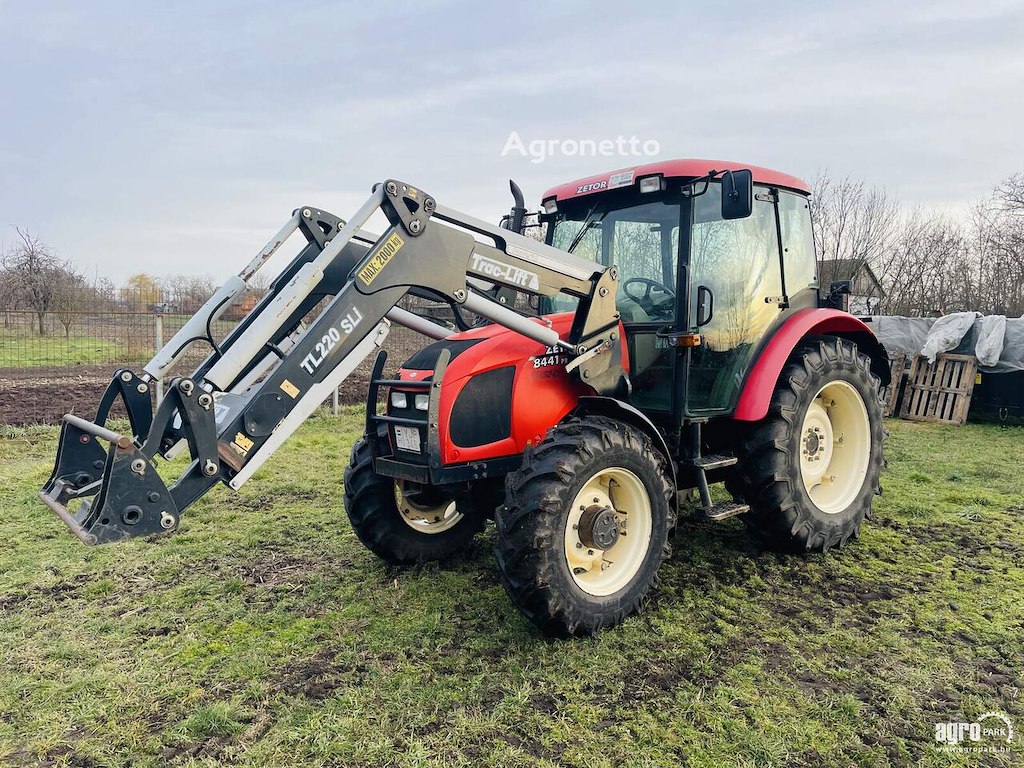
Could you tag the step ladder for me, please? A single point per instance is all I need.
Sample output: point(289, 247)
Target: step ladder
point(700, 465)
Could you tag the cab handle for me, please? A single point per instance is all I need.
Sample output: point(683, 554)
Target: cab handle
point(705, 305)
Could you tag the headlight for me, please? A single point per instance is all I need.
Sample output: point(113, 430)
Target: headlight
point(422, 402)
point(398, 400)
point(650, 184)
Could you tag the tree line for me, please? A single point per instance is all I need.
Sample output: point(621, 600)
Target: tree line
point(928, 263)
point(34, 279)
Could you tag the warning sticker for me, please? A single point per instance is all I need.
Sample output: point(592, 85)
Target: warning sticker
point(380, 259)
point(243, 442)
point(289, 389)
point(622, 179)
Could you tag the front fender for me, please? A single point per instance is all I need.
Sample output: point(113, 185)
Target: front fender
point(764, 375)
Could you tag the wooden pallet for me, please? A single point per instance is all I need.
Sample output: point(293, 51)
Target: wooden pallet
point(939, 391)
point(897, 366)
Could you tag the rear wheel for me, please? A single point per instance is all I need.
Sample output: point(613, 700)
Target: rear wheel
point(585, 526)
point(403, 522)
point(811, 468)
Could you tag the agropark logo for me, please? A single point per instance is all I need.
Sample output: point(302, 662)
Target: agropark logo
point(991, 732)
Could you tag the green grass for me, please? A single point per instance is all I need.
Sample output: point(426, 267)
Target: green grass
point(264, 634)
point(19, 351)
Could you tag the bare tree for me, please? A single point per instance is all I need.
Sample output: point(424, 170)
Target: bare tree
point(185, 293)
point(852, 221)
point(929, 267)
point(8, 295)
point(32, 275)
point(998, 228)
point(104, 294)
point(71, 295)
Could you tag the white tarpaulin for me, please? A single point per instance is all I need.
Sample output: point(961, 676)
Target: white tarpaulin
point(947, 333)
point(991, 333)
point(909, 334)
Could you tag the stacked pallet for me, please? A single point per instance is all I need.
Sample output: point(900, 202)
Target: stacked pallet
point(934, 392)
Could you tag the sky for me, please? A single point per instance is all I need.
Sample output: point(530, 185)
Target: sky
point(176, 137)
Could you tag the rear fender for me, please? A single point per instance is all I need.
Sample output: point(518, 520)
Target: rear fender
point(764, 375)
point(626, 413)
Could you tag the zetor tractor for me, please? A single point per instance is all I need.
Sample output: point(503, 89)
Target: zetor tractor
point(667, 335)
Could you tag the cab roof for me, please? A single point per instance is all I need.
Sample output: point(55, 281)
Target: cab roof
point(670, 169)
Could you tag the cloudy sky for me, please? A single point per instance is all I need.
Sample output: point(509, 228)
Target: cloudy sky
point(176, 137)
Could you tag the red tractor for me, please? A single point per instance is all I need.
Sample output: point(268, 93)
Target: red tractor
point(668, 334)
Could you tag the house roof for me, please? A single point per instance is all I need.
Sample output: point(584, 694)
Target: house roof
point(847, 269)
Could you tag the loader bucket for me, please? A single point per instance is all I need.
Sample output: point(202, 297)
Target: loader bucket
point(119, 493)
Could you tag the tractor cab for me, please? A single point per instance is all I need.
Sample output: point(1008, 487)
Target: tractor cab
point(711, 256)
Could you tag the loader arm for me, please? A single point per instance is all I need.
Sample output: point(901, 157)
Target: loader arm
point(272, 371)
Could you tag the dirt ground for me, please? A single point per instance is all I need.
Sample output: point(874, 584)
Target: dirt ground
point(41, 395)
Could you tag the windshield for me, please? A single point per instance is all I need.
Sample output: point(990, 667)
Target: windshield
point(641, 239)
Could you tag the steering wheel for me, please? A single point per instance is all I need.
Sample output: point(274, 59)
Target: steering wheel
point(645, 301)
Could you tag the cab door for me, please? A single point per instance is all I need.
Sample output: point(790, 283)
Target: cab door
point(644, 243)
point(642, 240)
point(735, 293)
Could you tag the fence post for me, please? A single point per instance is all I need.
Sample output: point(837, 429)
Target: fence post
point(159, 346)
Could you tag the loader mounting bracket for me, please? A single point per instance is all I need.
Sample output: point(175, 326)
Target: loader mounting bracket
point(132, 499)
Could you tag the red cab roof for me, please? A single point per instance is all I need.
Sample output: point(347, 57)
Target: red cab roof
point(670, 169)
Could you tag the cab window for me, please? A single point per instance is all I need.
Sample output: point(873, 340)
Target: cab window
point(797, 243)
point(643, 242)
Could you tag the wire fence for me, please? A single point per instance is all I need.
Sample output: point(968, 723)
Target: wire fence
point(52, 365)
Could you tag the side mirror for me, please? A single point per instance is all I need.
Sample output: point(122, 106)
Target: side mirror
point(839, 295)
point(838, 287)
point(737, 194)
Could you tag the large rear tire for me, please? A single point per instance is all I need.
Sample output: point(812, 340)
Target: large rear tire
point(401, 523)
point(810, 469)
point(585, 526)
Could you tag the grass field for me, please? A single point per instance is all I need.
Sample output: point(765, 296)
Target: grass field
point(20, 351)
point(264, 634)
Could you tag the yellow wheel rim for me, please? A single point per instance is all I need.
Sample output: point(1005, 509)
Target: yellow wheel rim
point(835, 447)
point(424, 518)
point(620, 499)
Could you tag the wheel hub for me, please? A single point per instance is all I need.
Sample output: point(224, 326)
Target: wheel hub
point(599, 527)
point(812, 441)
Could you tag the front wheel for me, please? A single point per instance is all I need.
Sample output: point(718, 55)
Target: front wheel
point(810, 469)
point(585, 526)
point(403, 522)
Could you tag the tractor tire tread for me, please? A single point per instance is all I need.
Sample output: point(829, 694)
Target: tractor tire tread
point(373, 512)
point(529, 539)
point(765, 477)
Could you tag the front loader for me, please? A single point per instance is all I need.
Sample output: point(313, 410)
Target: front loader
point(600, 380)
